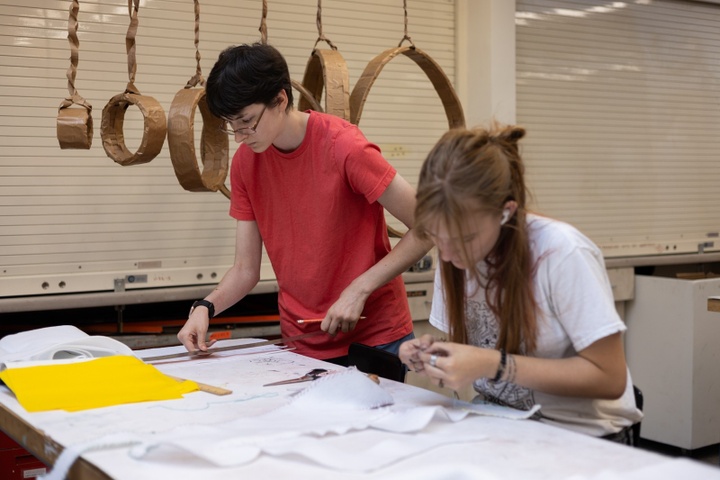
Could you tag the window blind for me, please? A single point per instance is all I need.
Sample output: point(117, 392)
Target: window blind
point(620, 104)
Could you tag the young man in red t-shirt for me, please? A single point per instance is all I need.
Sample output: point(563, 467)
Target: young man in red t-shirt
point(311, 188)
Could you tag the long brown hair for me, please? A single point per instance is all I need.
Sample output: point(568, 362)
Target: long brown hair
point(476, 169)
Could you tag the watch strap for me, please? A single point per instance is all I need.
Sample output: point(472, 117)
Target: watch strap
point(204, 303)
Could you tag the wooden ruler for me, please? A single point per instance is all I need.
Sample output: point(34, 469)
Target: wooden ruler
point(204, 387)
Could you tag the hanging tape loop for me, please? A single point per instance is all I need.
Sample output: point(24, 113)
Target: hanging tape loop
point(263, 23)
point(197, 79)
point(214, 143)
point(405, 21)
point(318, 22)
point(130, 46)
point(74, 125)
point(113, 116)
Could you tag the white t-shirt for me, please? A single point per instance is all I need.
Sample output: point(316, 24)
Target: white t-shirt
point(577, 308)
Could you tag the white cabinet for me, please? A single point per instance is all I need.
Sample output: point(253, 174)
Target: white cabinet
point(419, 299)
point(673, 351)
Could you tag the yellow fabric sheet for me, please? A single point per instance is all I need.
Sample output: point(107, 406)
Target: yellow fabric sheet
point(100, 382)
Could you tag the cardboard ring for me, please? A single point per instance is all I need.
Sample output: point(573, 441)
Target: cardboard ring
point(154, 128)
point(450, 100)
point(327, 68)
point(214, 144)
point(74, 128)
point(306, 95)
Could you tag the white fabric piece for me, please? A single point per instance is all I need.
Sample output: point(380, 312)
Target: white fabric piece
point(243, 441)
point(63, 342)
point(310, 427)
point(337, 404)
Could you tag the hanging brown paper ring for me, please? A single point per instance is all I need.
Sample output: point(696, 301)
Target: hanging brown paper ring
point(74, 125)
point(214, 143)
point(327, 68)
point(443, 87)
point(111, 129)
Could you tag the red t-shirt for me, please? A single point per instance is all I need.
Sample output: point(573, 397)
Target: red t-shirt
point(318, 215)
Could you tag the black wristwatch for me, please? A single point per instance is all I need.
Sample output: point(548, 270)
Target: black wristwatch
point(204, 303)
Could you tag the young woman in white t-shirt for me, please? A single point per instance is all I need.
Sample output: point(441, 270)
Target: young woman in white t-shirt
point(525, 299)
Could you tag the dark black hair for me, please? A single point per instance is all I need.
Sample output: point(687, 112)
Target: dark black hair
point(244, 75)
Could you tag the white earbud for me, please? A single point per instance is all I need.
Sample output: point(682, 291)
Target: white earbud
point(505, 216)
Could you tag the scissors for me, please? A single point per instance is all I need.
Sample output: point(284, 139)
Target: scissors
point(312, 375)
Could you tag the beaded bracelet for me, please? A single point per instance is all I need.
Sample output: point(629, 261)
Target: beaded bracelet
point(501, 366)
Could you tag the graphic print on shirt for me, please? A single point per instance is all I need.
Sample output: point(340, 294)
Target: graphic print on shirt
point(483, 331)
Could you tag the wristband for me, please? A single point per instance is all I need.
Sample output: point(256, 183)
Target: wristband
point(501, 366)
point(204, 303)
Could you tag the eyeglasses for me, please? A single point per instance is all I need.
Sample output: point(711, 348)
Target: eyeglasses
point(244, 130)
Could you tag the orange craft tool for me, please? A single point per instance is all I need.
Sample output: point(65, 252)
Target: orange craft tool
point(316, 320)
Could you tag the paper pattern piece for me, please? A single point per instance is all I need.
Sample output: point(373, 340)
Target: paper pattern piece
point(56, 343)
point(100, 382)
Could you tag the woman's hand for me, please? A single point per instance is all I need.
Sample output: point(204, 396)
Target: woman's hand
point(410, 352)
point(456, 366)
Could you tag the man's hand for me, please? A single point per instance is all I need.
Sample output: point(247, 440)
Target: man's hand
point(193, 333)
point(345, 313)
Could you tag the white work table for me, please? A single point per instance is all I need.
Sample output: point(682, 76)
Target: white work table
point(485, 447)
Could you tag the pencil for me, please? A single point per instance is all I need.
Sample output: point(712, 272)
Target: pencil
point(316, 320)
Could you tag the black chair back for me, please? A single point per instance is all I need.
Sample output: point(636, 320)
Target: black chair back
point(375, 361)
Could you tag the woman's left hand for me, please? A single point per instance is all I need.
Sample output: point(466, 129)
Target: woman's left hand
point(411, 349)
